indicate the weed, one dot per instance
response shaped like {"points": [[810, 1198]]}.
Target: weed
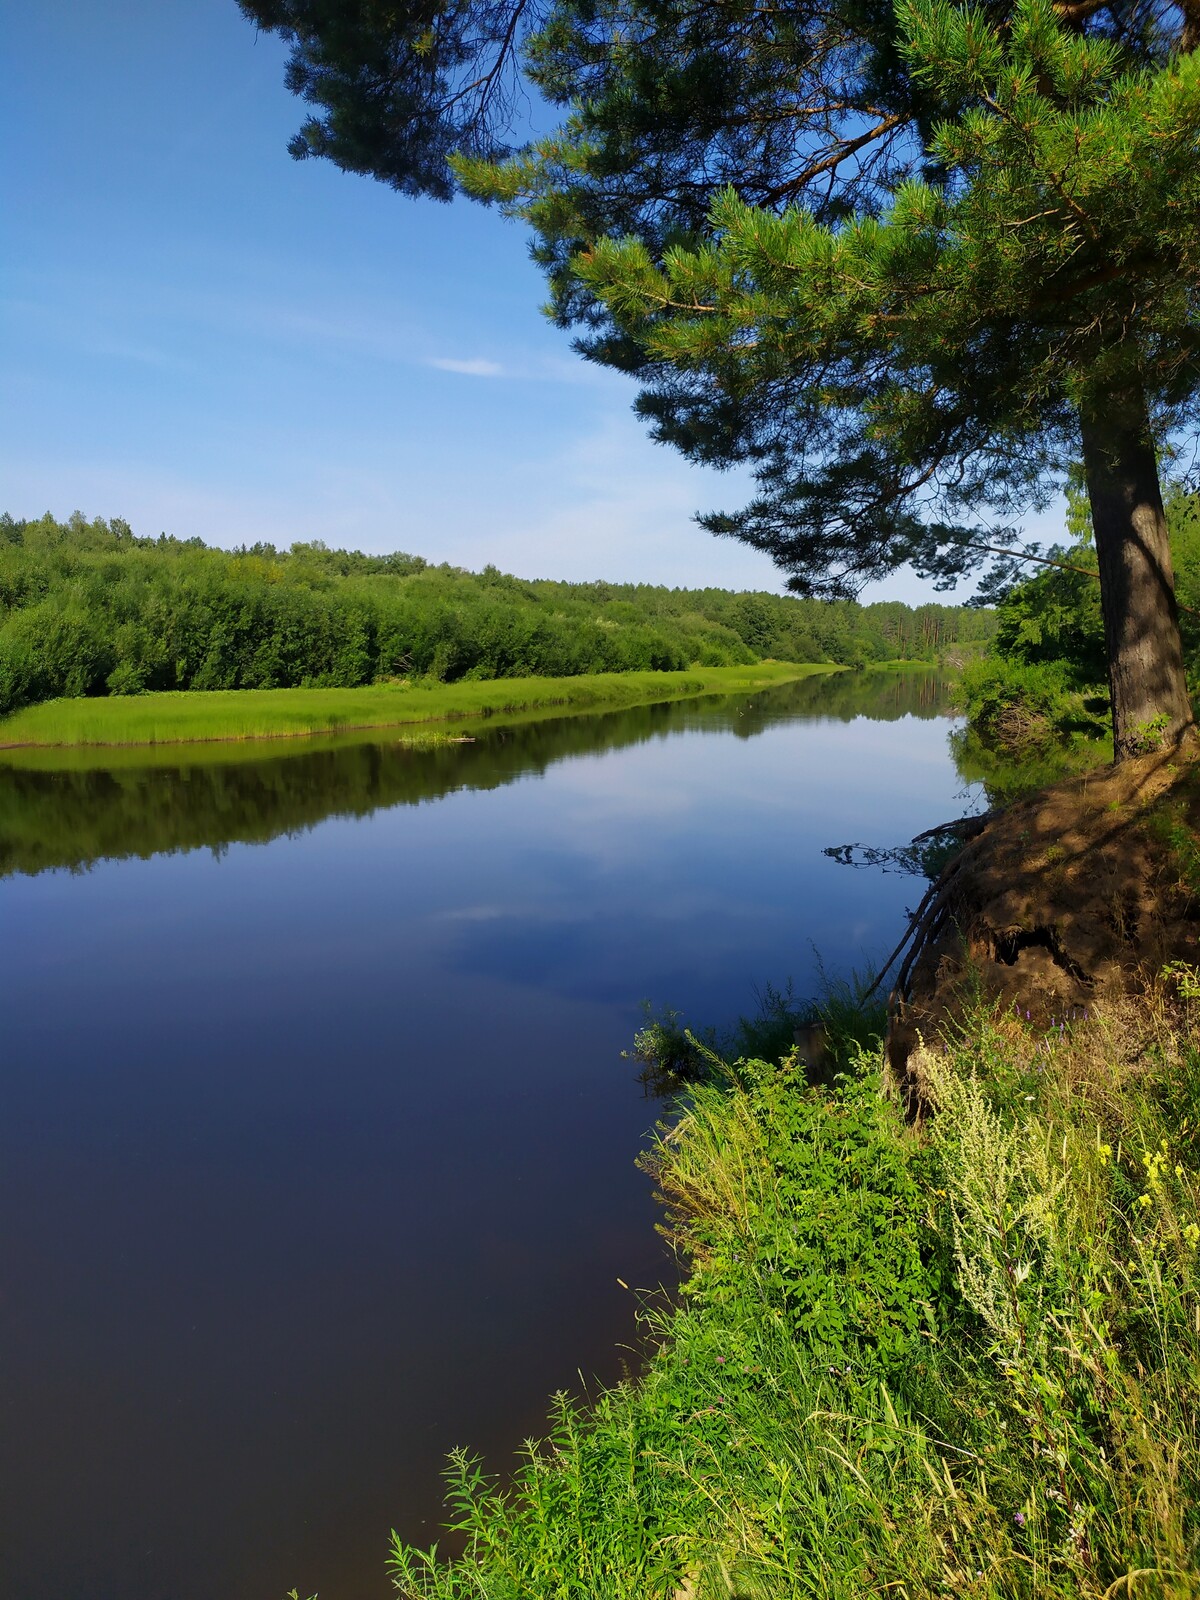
{"points": [[962, 1360], [1148, 736], [830, 1031]]}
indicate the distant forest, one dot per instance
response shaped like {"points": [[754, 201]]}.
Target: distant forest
{"points": [[88, 608]]}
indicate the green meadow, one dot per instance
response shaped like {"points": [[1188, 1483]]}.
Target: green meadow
{"points": [[228, 714]]}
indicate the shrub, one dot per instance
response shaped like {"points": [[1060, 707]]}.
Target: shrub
{"points": [[1023, 709]]}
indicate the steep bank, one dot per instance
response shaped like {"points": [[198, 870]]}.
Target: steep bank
{"points": [[1074, 894]]}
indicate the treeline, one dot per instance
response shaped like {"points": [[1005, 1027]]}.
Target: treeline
{"points": [[1044, 679], [88, 608]]}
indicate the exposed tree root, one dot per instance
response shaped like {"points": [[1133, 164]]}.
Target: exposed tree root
{"points": [[1074, 892]]}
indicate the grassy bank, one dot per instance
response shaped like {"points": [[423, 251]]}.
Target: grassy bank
{"points": [[961, 1360], [196, 715]]}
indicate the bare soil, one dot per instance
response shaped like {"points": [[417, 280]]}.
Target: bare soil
{"points": [[1075, 893]]}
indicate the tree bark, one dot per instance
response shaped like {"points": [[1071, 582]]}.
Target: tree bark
{"points": [[1137, 583]]}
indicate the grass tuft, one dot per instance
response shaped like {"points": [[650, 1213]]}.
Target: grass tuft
{"points": [[957, 1360]]}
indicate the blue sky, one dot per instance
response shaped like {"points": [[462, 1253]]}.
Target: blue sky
{"points": [[205, 337]]}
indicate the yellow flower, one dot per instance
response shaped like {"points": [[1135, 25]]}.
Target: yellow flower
{"points": [[1154, 1162], [1144, 1200], [1192, 1234]]}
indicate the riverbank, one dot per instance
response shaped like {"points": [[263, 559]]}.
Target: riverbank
{"points": [[201, 716], [957, 1362], [1079, 890], [957, 1357]]}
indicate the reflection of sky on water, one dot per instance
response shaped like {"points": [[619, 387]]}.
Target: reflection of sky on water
{"points": [[317, 1158]]}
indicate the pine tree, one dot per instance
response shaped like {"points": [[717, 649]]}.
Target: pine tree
{"points": [[909, 261]]}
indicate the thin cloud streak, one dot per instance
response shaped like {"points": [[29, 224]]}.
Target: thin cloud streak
{"points": [[477, 367]]}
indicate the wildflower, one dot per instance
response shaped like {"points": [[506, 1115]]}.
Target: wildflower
{"points": [[720, 1358], [1154, 1162], [1104, 1152], [1144, 1200], [1019, 1518], [1192, 1234], [1178, 1170]]}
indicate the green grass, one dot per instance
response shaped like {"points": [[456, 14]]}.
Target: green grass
{"points": [[960, 1361], [197, 715]]}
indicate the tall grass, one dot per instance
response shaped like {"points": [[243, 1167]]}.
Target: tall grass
{"points": [[266, 713], [956, 1360]]}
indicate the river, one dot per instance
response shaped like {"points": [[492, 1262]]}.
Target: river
{"points": [[317, 1153]]}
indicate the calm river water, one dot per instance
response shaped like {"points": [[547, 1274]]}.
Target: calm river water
{"points": [[317, 1149]]}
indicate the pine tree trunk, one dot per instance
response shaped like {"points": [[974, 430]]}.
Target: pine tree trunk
{"points": [[1137, 584]]}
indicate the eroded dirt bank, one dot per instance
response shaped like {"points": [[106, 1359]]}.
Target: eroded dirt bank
{"points": [[1079, 891]]}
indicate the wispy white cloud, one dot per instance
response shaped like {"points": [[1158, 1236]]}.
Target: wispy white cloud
{"points": [[473, 914], [477, 367]]}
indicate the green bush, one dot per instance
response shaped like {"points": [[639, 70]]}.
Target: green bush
{"points": [[832, 1238], [963, 1360], [1023, 709], [1044, 679]]}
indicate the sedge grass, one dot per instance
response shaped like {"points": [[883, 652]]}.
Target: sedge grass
{"points": [[235, 714]]}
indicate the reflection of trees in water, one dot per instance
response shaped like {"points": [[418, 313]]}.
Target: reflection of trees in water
{"points": [[1005, 777], [842, 696], [76, 814]]}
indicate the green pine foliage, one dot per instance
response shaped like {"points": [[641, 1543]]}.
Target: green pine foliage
{"points": [[87, 608], [904, 262], [888, 257]]}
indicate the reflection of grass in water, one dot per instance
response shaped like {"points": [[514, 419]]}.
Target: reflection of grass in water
{"points": [[1006, 778], [827, 1032], [258, 713]]}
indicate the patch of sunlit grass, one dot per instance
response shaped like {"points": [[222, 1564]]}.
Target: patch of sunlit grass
{"points": [[956, 1360], [272, 713]]}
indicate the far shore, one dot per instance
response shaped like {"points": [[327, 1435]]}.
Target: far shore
{"points": [[235, 715]]}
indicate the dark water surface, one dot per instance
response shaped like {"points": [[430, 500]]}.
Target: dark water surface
{"points": [[317, 1152]]}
